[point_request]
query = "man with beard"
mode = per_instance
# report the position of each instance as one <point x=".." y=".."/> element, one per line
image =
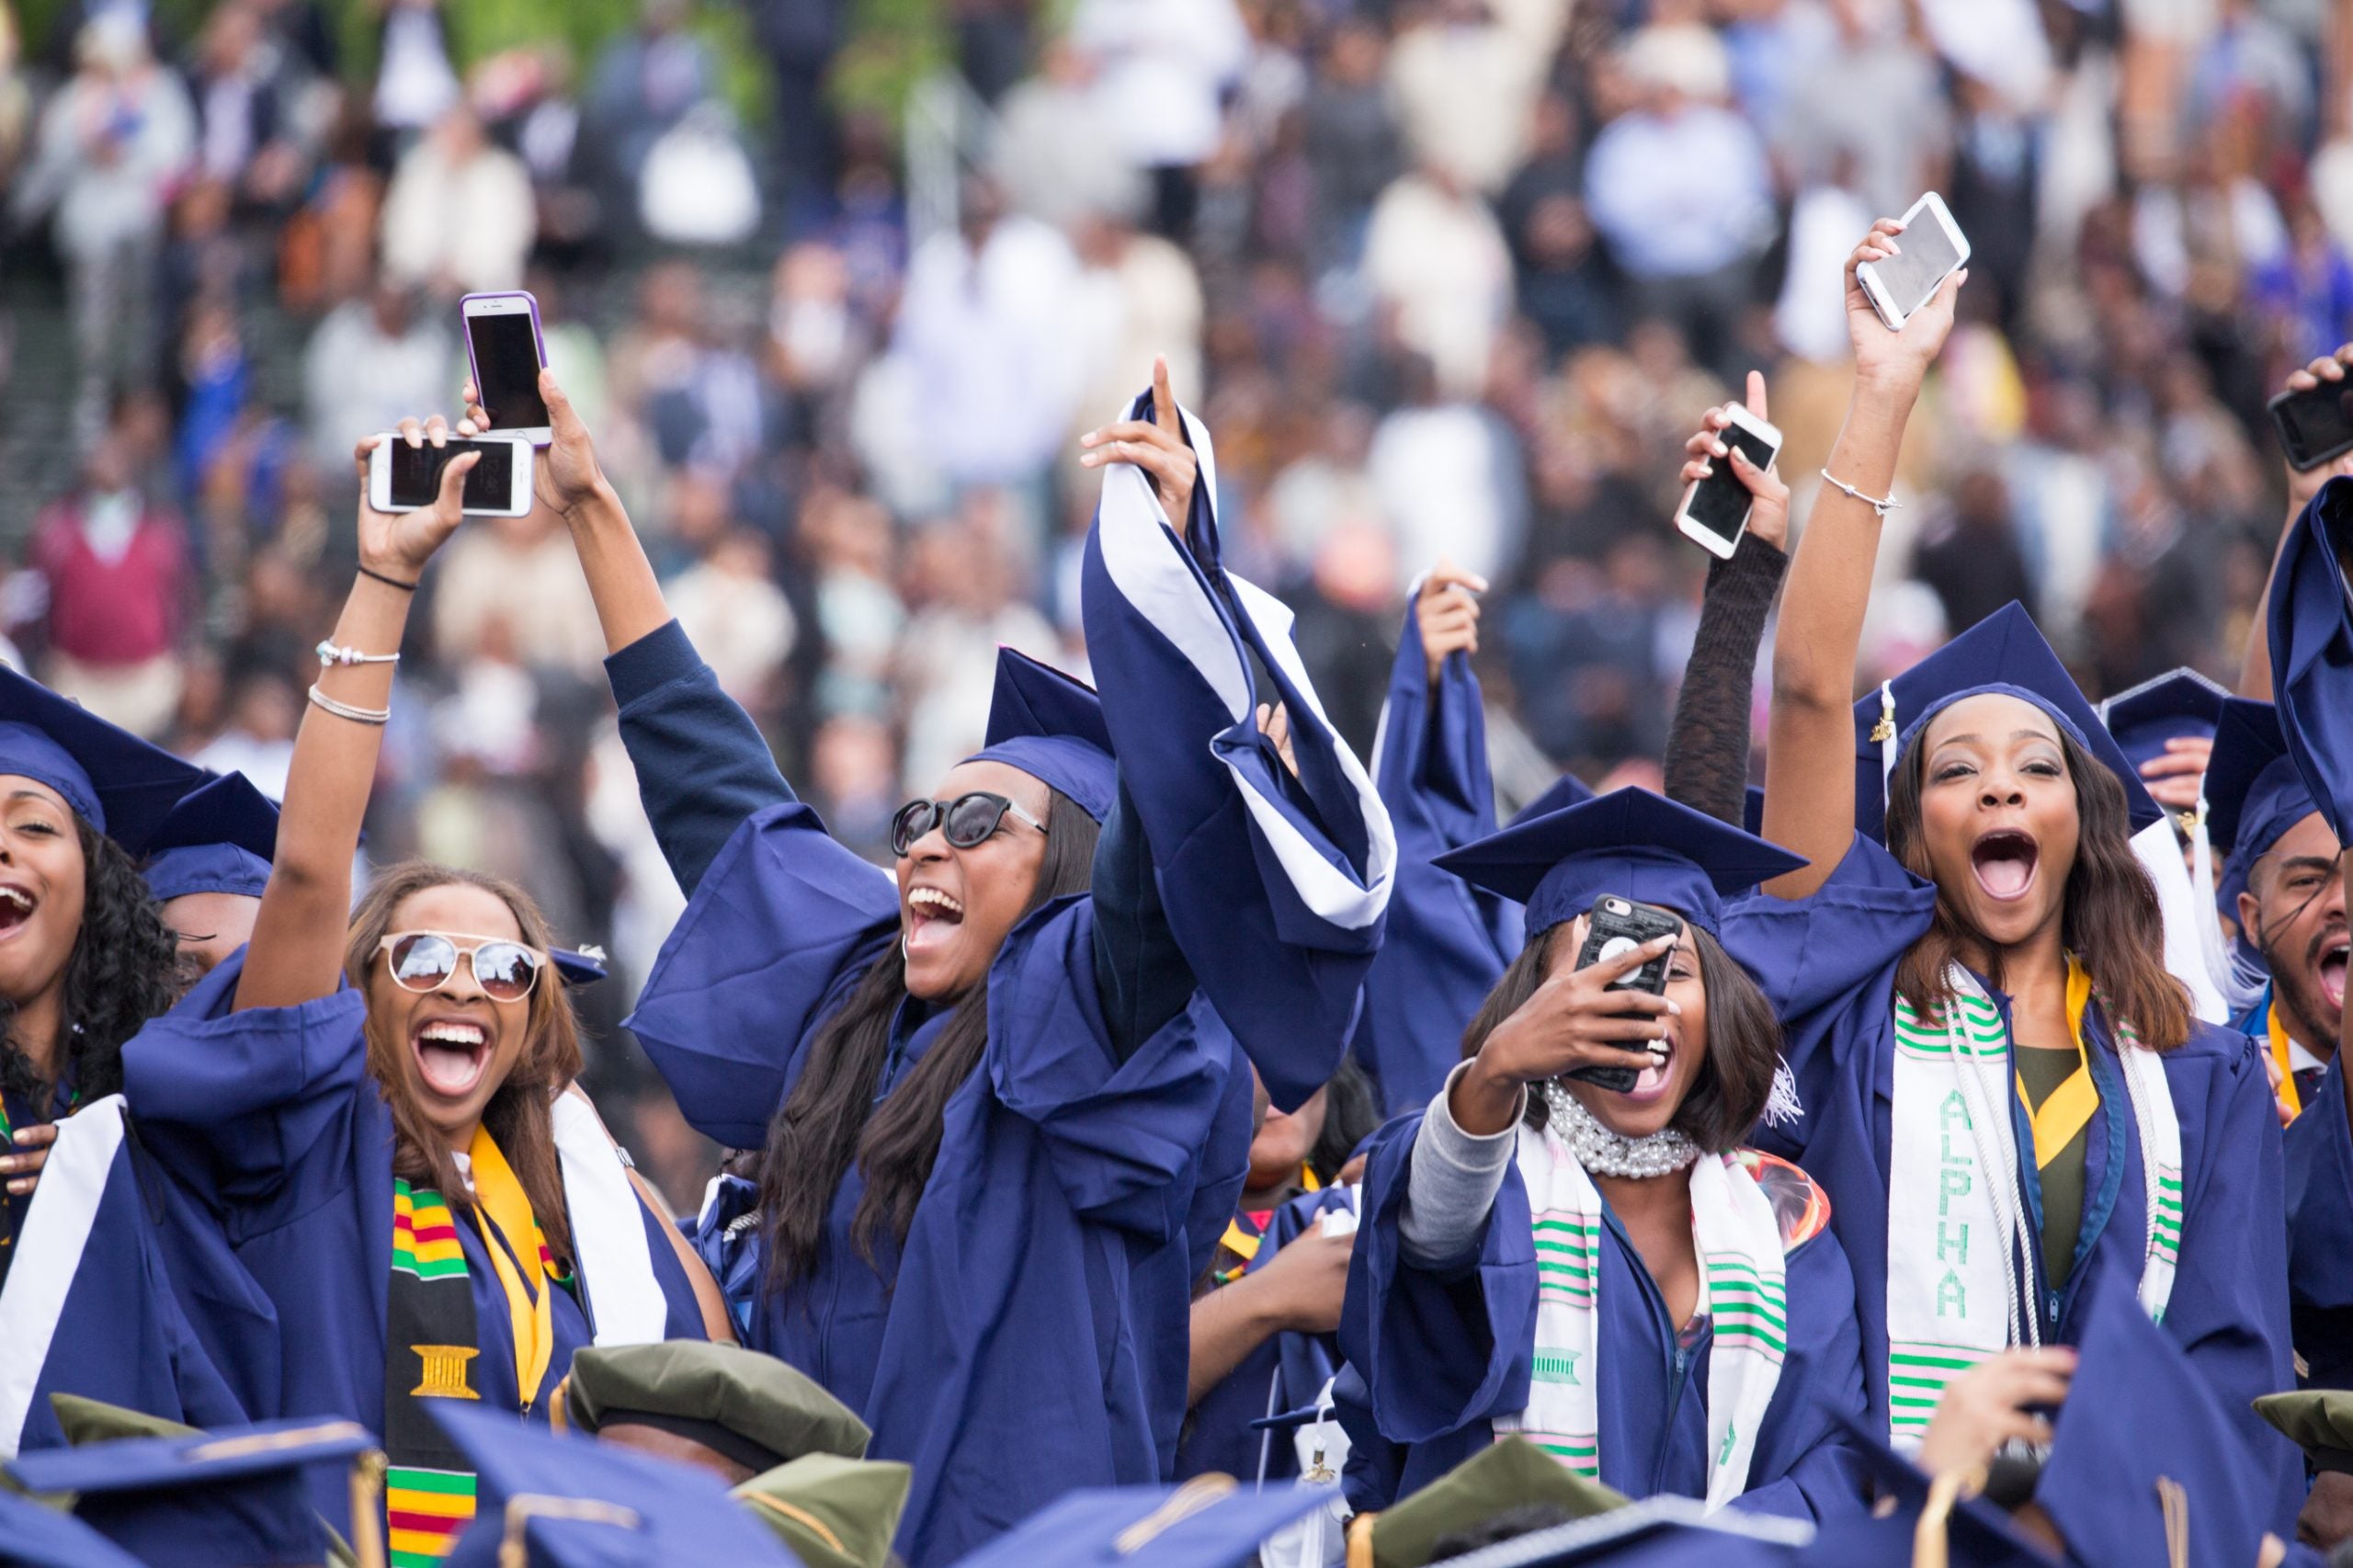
<point x="2279" y="881"/>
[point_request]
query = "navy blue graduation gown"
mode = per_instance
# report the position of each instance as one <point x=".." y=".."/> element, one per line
<point x="1286" y="1373"/>
<point x="270" y="1114"/>
<point x="1442" y="1355"/>
<point x="1828" y="961"/>
<point x="2320" y="1233"/>
<point x="1448" y="942"/>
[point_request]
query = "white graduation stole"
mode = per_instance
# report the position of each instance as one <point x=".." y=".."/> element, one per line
<point x="1961" y="1252"/>
<point x="1746" y="1293"/>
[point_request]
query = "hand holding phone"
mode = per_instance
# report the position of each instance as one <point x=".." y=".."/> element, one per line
<point x="1719" y="498"/>
<point x="1931" y="249"/>
<point x="506" y="351"/>
<point x="1617" y="928"/>
<point x="404" y="478"/>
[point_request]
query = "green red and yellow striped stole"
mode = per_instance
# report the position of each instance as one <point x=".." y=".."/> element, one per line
<point x="424" y="1513"/>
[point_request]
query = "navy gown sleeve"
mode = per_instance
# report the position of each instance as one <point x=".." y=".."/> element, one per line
<point x="1817" y="1473"/>
<point x="2228" y="1307"/>
<point x="1275" y="885"/>
<point x="702" y="766"/>
<point x="1447" y="942"/>
<point x="1437" y="1353"/>
<point x="2319" y="1161"/>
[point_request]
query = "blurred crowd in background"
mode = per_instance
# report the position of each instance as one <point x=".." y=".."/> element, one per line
<point x="1444" y="276"/>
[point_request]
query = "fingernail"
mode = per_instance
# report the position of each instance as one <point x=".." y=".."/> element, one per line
<point x="8" y="1164"/>
<point x="1675" y="1006"/>
<point x="24" y="1135"/>
<point x="1718" y="447"/>
<point x="18" y="1189"/>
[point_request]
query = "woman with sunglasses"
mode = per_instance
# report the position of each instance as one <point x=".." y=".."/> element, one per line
<point x="1000" y="1117"/>
<point x="376" y="1106"/>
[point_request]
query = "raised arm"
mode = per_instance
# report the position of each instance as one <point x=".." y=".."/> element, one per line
<point x="2254" y="671"/>
<point x="1809" y="766"/>
<point x="296" y="954"/>
<point x="1708" y="743"/>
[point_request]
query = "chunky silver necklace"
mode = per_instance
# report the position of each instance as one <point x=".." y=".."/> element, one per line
<point x="1604" y="1152"/>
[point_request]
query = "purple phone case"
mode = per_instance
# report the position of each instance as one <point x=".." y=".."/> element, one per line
<point x="539" y="338"/>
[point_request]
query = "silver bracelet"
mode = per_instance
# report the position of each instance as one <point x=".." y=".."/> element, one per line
<point x="378" y="716"/>
<point x="1881" y="508"/>
<point x="331" y="655"/>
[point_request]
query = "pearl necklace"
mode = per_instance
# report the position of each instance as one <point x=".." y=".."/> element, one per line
<point x="1604" y="1152"/>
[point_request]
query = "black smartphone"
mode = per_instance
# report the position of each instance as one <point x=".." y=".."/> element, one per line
<point x="1615" y="925"/>
<point x="417" y="474"/>
<point x="2315" y="425"/>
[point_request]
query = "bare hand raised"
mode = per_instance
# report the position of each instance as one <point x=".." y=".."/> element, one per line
<point x="1768" y="513"/>
<point x="1156" y="445"/>
<point x="398" y="544"/>
<point x="566" y="474"/>
<point x="1895" y="362"/>
<point x="1446" y="613"/>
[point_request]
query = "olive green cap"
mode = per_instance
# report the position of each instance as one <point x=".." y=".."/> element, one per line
<point x="95" y="1421"/>
<point x="1509" y="1473"/>
<point x="2319" y="1421"/>
<point x="833" y="1512"/>
<point x="751" y="1408"/>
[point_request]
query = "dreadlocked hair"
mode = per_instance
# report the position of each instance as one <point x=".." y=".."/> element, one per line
<point x="518" y="1117"/>
<point x="830" y="1120"/>
<point x="124" y="969"/>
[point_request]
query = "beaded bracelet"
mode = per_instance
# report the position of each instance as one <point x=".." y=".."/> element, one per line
<point x="1880" y="508"/>
<point x="331" y="655"/>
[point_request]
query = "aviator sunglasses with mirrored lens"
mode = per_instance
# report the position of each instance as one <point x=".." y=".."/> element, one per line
<point x="424" y="961"/>
<point x="970" y="820"/>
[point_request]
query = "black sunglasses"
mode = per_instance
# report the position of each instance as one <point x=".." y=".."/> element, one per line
<point x="970" y="820"/>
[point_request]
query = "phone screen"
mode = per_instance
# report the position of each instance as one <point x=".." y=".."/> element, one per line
<point x="507" y="359"/>
<point x="1911" y="276"/>
<point x="2316" y="425"/>
<point x="416" y="474"/>
<point x="1720" y="503"/>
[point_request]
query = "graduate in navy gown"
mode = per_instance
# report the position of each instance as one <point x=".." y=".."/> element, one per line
<point x="1001" y="1116"/>
<point x="85" y="958"/>
<point x="206" y="866"/>
<point x="376" y="1109"/>
<point x="2000" y="1086"/>
<point x="1600" y="1270"/>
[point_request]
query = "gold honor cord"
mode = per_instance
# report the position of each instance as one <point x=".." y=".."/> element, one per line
<point x="522" y="1508"/>
<point x="367" y="1508"/>
<point x="2173" y="1499"/>
<point x="1197" y="1496"/>
<point x="1931" y="1543"/>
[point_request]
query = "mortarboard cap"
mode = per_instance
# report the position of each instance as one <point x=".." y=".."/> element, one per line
<point x="578" y="966"/>
<point x="831" y="1512"/>
<point x="2005" y="654"/>
<point x="2310" y="630"/>
<point x="33" y="1535"/>
<point x="2139" y="1424"/>
<point x="46" y="738"/>
<point x="1050" y="726"/>
<point x="1509" y="1473"/>
<point x="2319" y="1421"/>
<point x="1977" y="1532"/>
<point x="1752" y="811"/>
<point x="1566" y="790"/>
<point x="219" y="838"/>
<point x="2254" y="794"/>
<point x="1629" y="842"/>
<point x="2143" y="718"/>
<point x="1662" y="1532"/>
<point x="95" y="1421"/>
<point x="222" y="1500"/>
<point x="1209" y="1522"/>
<point x="753" y="1408"/>
<point x="574" y="1503"/>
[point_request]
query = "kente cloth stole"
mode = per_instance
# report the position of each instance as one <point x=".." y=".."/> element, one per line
<point x="432" y="1339"/>
<point x="1744" y="1292"/>
<point x="1962" y="1257"/>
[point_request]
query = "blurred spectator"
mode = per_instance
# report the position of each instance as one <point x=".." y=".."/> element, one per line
<point x="509" y="589"/>
<point x="729" y="604"/>
<point x="1351" y="141"/>
<point x="643" y="85"/>
<point x="1866" y="110"/>
<point x="801" y="37"/>
<point x="245" y="134"/>
<point x="854" y="779"/>
<point x="459" y="217"/>
<point x="1464" y="87"/>
<point x="1448" y="476"/>
<point x="415" y="84"/>
<point x="113" y="142"/>
<point x="1565" y="285"/>
<point x="373" y="362"/>
<point x="1435" y="257"/>
<point x="847" y="541"/>
<point x="118" y="590"/>
<point x="1056" y="151"/>
<point x="1136" y="295"/>
<point x="263" y="709"/>
<point x="1679" y="187"/>
<point x="1970" y="556"/>
<point x="970" y="568"/>
<point x="1164" y="71"/>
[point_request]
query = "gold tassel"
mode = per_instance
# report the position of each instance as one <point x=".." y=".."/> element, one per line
<point x="367" y="1508"/>
<point x="1360" y="1540"/>
<point x="1931" y="1546"/>
<point x="1201" y="1492"/>
<point x="2173" y="1500"/>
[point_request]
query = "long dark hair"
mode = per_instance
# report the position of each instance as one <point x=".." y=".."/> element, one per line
<point x="2110" y="919"/>
<point x="124" y="969"/>
<point x="1743" y="1041"/>
<point x="830" y="1118"/>
<point x="519" y="1115"/>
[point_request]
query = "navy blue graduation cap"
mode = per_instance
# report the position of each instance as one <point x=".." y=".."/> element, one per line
<point x="2254" y="793"/>
<point x="2310" y="630"/>
<point x="226" y="1499"/>
<point x="1209" y="1522"/>
<point x="2177" y="703"/>
<point x="1752" y="810"/>
<point x="54" y="742"/>
<point x="2005" y="654"/>
<point x="34" y="1536"/>
<point x="1978" y="1533"/>
<point x="576" y="1502"/>
<point x="1566" y="790"/>
<point x="1050" y="726"/>
<point x="1629" y="842"/>
<point x="579" y="965"/>
<point x="2141" y="1435"/>
<point x="1665" y="1532"/>
<point x="220" y="838"/>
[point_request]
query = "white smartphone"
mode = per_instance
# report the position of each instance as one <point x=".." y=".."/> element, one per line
<point x="1714" y="510"/>
<point x="401" y="478"/>
<point x="507" y="352"/>
<point x="1931" y="249"/>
